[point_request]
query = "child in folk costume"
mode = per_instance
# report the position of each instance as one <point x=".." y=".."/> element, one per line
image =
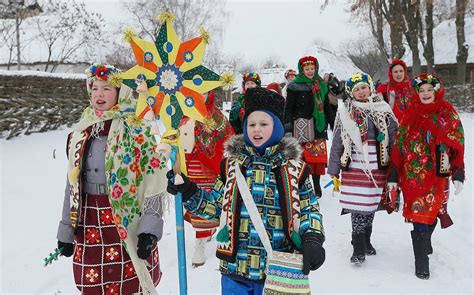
<point x="203" y="145"/>
<point x="397" y="91"/>
<point x="111" y="219"/>
<point x="429" y="148"/>
<point x="307" y="115"/>
<point x="249" y="80"/>
<point x="276" y="177"/>
<point x="290" y="75"/>
<point x="364" y="132"/>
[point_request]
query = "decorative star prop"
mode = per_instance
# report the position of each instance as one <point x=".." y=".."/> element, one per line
<point x="169" y="76"/>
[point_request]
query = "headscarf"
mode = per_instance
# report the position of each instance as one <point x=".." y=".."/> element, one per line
<point x="319" y="89"/>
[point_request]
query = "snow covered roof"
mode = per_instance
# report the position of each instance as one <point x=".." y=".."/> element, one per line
<point x="445" y="43"/>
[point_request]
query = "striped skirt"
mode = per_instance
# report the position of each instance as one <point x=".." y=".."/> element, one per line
<point x="359" y="193"/>
<point x="101" y="265"/>
<point x="205" y="179"/>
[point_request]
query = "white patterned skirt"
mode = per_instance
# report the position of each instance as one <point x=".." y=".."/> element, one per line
<point x="360" y="193"/>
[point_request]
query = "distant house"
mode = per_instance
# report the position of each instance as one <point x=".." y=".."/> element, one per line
<point x="445" y="49"/>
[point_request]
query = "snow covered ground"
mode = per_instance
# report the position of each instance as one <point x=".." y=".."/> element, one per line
<point x="32" y="186"/>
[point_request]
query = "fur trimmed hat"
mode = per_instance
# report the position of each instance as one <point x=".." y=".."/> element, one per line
<point x="358" y="79"/>
<point x="102" y="72"/>
<point x="251" y="77"/>
<point x="261" y="99"/>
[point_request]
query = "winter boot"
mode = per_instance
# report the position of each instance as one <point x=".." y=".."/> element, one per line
<point x="369" y="249"/>
<point x="199" y="255"/>
<point x="317" y="185"/>
<point x="358" y="242"/>
<point x="420" y="248"/>
<point x="431" y="228"/>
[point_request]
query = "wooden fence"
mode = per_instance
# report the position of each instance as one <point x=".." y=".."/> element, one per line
<point x="31" y="104"/>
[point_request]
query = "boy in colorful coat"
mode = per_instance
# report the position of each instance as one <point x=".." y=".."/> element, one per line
<point x="249" y="80"/>
<point x="277" y="178"/>
<point x="429" y="148"/>
<point x="365" y="130"/>
<point x="112" y="209"/>
<point x="203" y="145"/>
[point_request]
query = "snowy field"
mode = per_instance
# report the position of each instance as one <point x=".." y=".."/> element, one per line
<point x="32" y="187"/>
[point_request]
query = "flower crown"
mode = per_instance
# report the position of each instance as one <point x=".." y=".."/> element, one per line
<point x="426" y="79"/>
<point x="251" y="77"/>
<point x="103" y="72"/>
<point x="359" y="78"/>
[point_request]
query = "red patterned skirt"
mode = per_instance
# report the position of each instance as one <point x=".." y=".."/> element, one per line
<point x="101" y="265"/>
<point x="205" y="179"/>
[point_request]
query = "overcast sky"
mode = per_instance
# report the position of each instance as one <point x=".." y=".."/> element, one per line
<point x="257" y="30"/>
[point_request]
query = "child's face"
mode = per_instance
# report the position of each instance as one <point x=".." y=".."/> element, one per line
<point x="291" y="77"/>
<point x="361" y="93"/>
<point x="259" y="127"/>
<point x="249" y="84"/>
<point x="103" y="95"/>
<point x="398" y="73"/>
<point x="426" y="93"/>
<point x="309" y="70"/>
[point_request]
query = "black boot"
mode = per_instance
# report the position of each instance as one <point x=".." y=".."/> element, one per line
<point x="358" y="242"/>
<point x="369" y="249"/>
<point x="420" y="248"/>
<point x="431" y="228"/>
<point x="317" y="185"/>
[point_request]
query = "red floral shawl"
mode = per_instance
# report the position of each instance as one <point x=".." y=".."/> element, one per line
<point x="402" y="90"/>
<point x="211" y="134"/>
<point x="423" y="129"/>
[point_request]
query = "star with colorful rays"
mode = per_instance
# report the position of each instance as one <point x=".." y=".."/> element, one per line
<point x="169" y="76"/>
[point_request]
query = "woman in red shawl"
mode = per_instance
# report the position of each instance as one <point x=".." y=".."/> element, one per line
<point x="429" y="147"/>
<point x="203" y="144"/>
<point x="397" y="91"/>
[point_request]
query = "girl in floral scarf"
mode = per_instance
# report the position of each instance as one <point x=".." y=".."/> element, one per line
<point x="111" y="219"/>
<point x="365" y="130"/>
<point x="397" y="91"/>
<point x="429" y="148"/>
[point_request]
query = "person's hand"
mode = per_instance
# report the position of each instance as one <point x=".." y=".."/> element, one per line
<point x="458" y="186"/>
<point x="313" y="252"/>
<point x="145" y="245"/>
<point x="187" y="188"/>
<point x="67" y="248"/>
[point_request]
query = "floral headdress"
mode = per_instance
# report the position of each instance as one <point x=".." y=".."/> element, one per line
<point x="308" y="60"/>
<point x="357" y="79"/>
<point x="290" y="72"/>
<point x="251" y="77"/>
<point x="102" y="72"/>
<point x="426" y="79"/>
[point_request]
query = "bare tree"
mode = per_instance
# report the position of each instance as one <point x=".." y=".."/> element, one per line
<point x="463" y="47"/>
<point x="412" y="17"/>
<point x="18" y="10"/>
<point x="380" y="11"/>
<point x="428" y="49"/>
<point x="190" y="16"/>
<point x="69" y="31"/>
<point x="366" y="55"/>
